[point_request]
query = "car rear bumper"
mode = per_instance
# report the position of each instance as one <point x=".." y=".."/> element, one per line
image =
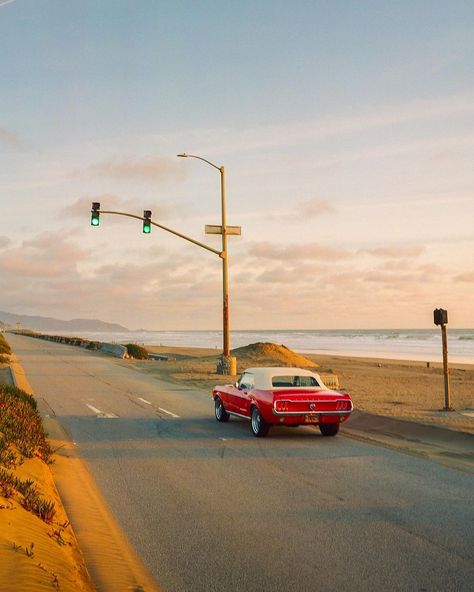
<point x="316" y="411"/>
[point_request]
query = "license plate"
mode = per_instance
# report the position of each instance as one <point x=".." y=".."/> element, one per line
<point x="311" y="418"/>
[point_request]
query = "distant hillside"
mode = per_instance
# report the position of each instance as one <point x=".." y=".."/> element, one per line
<point x="36" y="323"/>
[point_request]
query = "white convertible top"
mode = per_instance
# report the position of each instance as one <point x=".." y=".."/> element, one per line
<point x="263" y="376"/>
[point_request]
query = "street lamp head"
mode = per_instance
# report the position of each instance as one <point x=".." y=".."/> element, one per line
<point x="184" y="155"/>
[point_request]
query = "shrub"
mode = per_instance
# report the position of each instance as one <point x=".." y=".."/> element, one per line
<point x="21" y="429"/>
<point x="136" y="351"/>
<point x="21" y="425"/>
<point x="4" y="347"/>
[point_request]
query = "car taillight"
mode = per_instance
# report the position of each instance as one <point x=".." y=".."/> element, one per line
<point x="281" y="406"/>
<point x="343" y="405"/>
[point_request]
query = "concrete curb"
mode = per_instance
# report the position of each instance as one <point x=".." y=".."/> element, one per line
<point x="114" y="349"/>
<point x="363" y="420"/>
<point x="13" y="379"/>
<point x="448" y="447"/>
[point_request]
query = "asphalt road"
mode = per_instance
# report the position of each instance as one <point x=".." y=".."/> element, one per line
<point x="211" y="508"/>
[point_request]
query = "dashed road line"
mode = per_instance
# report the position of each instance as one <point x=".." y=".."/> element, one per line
<point x="168" y="412"/>
<point x="100" y="413"/>
<point x="144" y="401"/>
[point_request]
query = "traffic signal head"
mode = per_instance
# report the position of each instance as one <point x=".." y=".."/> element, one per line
<point x="95" y="213"/>
<point x="147" y="221"/>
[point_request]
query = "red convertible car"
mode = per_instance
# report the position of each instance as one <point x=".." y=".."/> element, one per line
<point x="282" y="396"/>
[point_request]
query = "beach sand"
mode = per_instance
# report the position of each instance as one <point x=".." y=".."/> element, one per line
<point x="400" y="389"/>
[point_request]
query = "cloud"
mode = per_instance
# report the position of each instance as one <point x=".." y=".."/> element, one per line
<point x="4" y="242"/>
<point x="109" y="201"/>
<point x="465" y="277"/>
<point x="315" y="207"/>
<point x="292" y="251"/>
<point x="153" y="168"/>
<point x="338" y="125"/>
<point x="11" y="138"/>
<point x="395" y="252"/>
<point x="432" y="269"/>
<point x="47" y="255"/>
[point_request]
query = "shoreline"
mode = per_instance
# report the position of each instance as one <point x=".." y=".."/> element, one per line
<point x="404" y="344"/>
<point x="422" y="361"/>
<point x="313" y="354"/>
<point x="454" y="359"/>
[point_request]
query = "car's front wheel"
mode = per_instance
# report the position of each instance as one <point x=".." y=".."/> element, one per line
<point x="259" y="426"/>
<point x="221" y="413"/>
<point x="329" y="429"/>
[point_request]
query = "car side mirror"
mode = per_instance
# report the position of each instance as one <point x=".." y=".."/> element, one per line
<point x="236" y="384"/>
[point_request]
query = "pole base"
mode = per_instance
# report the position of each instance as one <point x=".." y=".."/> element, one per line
<point x="448" y="409"/>
<point x="227" y="365"/>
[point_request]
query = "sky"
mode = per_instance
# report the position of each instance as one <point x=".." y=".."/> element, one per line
<point x="347" y="134"/>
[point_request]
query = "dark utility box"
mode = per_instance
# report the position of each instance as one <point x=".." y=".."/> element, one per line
<point x="440" y="316"/>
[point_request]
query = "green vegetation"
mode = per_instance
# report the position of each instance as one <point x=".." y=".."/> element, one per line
<point x="136" y="351"/>
<point x="22" y="436"/>
<point x="4" y="347"/>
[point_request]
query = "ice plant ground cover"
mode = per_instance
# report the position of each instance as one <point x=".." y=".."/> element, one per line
<point x="22" y="436"/>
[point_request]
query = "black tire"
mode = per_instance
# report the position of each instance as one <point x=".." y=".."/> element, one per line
<point x="259" y="426"/>
<point x="329" y="429"/>
<point x="221" y="413"/>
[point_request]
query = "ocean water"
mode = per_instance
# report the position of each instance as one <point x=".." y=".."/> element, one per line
<point x="404" y="344"/>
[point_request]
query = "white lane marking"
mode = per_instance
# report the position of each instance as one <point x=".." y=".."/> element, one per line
<point x="100" y="413"/>
<point x="168" y="412"/>
<point x="144" y="400"/>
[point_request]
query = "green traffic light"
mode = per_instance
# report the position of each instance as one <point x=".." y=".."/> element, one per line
<point x="95" y="220"/>
<point x="147" y="221"/>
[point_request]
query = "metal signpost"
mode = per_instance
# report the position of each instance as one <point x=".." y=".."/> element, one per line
<point x="441" y="318"/>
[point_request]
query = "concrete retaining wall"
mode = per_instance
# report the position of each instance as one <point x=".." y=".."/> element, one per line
<point x="119" y="351"/>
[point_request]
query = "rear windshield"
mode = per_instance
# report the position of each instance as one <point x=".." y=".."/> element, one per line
<point x="294" y="380"/>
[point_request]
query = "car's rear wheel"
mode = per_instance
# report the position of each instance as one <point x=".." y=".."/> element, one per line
<point x="221" y="413"/>
<point x="329" y="429"/>
<point x="259" y="426"/>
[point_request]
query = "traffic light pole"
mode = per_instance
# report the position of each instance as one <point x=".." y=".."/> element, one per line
<point x="225" y="272"/>
<point x="175" y="232"/>
<point x="227" y="364"/>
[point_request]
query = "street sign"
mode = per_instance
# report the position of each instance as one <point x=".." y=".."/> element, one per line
<point x="217" y="229"/>
<point x="440" y="316"/>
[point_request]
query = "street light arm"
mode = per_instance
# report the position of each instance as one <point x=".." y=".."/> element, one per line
<point x="184" y="155"/>
<point x="175" y="232"/>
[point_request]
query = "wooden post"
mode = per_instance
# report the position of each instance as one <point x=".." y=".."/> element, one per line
<point x="447" y="393"/>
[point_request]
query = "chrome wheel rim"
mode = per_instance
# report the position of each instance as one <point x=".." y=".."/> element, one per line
<point x="255" y="421"/>
<point x="218" y="409"/>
